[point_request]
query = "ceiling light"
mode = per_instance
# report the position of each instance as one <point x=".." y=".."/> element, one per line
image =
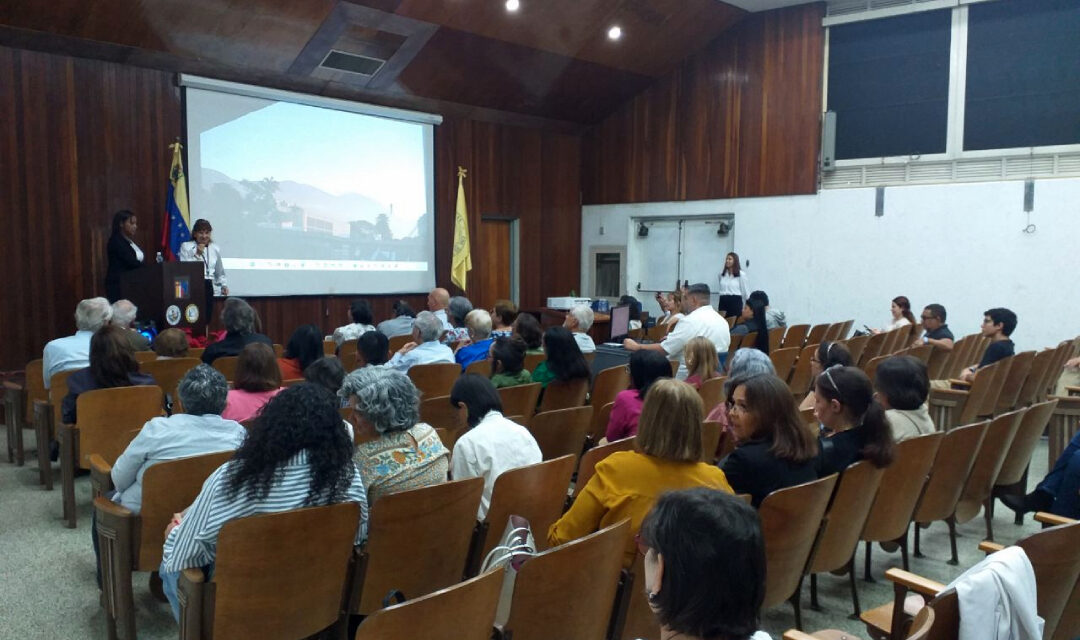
<point x="614" y="33"/>
<point x="513" y="5"/>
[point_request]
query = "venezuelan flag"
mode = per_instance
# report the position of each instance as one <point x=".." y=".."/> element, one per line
<point x="177" y="227"/>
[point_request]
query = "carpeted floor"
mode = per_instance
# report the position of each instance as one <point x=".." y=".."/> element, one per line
<point x="48" y="589"/>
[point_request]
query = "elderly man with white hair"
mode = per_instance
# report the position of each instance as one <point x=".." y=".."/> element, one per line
<point x="73" y="352"/>
<point x="123" y="316"/>
<point x="476" y="348"/>
<point x="579" y="320"/>
<point x="425" y="347"/>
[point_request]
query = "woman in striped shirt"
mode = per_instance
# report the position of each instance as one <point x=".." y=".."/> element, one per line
<point x="295" y="455"/>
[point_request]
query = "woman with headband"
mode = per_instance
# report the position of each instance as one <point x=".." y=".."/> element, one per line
<point x="854" y="424"/>
<point x="828" y="354"/>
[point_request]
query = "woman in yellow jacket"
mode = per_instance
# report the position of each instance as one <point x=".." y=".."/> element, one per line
<point x="667" y="457"/>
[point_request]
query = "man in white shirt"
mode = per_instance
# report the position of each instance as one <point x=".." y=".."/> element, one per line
<point x="73" y="352"/>
<point x="425" y="347"/>
<point x="579" y="319"/>
<point x="437" y="302"/>
<point x="700" y="320"/>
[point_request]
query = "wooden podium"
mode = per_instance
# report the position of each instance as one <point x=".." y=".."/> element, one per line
<point x="172" y="294"/>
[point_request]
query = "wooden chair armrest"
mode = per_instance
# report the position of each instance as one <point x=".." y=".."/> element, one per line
<point x="914" y="582"/>
<point x="1072" y="391"/>
<point x="988" y="547"/>
<point x="795" y="634"/>
<point x="1052" y="519"/>
<point x="190" y="591"/>
<point x="15" y="386"/>
<point x="962" y="385"/>
<point x="100" y="475"/>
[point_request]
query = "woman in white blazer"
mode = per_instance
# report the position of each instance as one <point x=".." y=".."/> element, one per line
<point x="202" y="249"/>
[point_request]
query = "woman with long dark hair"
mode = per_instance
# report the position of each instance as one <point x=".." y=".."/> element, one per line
<point x="295" y="455"/>
<point x="124" y="255"/>
<point x="734" y="288"/>
<point x="304" y="347"/>
<point x="901" y="314"/>
<point x="528" y="327"/>
<point x="855" y="424"/>
<point x="564" y="359"/>
<point x="112" y="364"/>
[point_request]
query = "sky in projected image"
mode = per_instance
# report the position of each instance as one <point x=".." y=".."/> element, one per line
<point x="347" y="156"/>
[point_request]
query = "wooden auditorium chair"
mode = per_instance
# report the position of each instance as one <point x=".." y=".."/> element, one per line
<point x="562" y="431"/>
<point x="465" y="611"/>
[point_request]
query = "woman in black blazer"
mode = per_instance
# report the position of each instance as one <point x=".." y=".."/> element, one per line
<point x="124" y="254"/>
<point x="776" y="448"/>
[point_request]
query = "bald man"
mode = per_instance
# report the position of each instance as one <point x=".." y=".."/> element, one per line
<point x="437" y="302"/>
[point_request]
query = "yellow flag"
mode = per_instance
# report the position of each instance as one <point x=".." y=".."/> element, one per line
<point x="461" y="262"/>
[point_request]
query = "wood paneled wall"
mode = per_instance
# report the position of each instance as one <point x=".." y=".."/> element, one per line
<point x="80" y="139"/>
<point x="739" y="119"/>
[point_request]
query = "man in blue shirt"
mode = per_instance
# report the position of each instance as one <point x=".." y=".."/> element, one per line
<point x="425" y="347"/>
<point x="73" y="352"/>
<point x="478" y="323"/>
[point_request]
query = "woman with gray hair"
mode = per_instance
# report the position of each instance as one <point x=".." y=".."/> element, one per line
<point x="397" y="451"/>
<point x="241" y="324"/>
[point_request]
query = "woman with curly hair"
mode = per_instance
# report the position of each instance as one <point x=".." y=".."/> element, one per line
<point x="295" y="455"/>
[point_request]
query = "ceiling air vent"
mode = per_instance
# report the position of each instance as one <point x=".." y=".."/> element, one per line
<point x="352" y="63"/>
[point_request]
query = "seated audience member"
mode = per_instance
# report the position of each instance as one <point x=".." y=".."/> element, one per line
<point x="372" y="349"/>
<point x="998" y="324"/>
<point x="901" y="315"/>
<point x="258" y="379"/>
<point x="745" y="364"/>
<point x="171" y="343"/>
<point x="508" y="363"/>
<point x="646" y="367"/>
<point x="362" y="319"/>
<point x="1059" y="491"/>
<point x="295" y="455"/>
<point x="776" y="448"/>
<point x="827" y="355"/>
<point x="700" y="320"/>
<point x="304" y="347"/>
<point x="491" y="443"/>
<point x="902" y="388"/>
<point x="477" y="346"/>
<point x="626" y="484"/>
<point x="635" y="311"/>
<point x="73" y="352"/>
<point x="704" y="566"/>
<point x="123" y="316"/>
<point x="438" y="301"/>
<point x="701" y="362"/>
<point x="402" y="322"/>
<point x="425" y="347"/>
<point x="528" y="327"/>
<point x="327" y="372"/>
<point x="937" y="333"/>
<point x="459" y="307"/>
<point x="579" y="319"/>
<point x="773" y="319"/>
<point x="502" y="318"/>
<point x="397" y="451"/>
<point x="240" y="323"/>
<point x="564" y="360"/>
<point x="855" y="425"/>
<point x="670" y="305"/>
<point x="753" y="319"/>
<point x="112" y="364"/>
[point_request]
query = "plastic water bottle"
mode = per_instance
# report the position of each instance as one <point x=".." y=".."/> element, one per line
<point x="160" y="258"/>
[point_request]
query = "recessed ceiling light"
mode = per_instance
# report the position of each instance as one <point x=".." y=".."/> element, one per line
<point x="614" y="33"/>
<point x="513" y="5"/>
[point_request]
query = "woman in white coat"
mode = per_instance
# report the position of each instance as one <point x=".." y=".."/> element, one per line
<point x="201" y="249"/>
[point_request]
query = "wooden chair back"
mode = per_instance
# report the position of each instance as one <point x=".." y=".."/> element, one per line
<point x="448" y="437"/>
<point x="712" y="392"/>
<point x="950" y="471"/>
<point x="984" y="471"/>
<point x="329" y="347"/>
<point x="856" y="345"/>
<point x="145" y="356"/>
<point x="479" y="367"/>
<point x="564" y="395"/>
<point x="935" y="366"/>
<point x="589" y="461"/>
<point x="726" y="445"/>
<point x="795" y="336"/>
<point x="227" y="366"/>
<point x="710" y="440"/>
<point x="801" y="374"/>
<point x="58" y="389"/>
<point x="520" y="400"/>
<point x="568" y="591"/>
<point x="808" y="416"/>
<point x="845" y="330"/>
<point x="1018" y="455"/>
<point x="730" y="321"/>
<point x="964" y="351"/>
<point x="347" y="355"/>
<point x="533" y="360"/>
<point x="921" y="352"/>
<point x="435" y="379"/>
<point x="675" y="364"/>
<point x="195" y="352"/>
<point x="34" y="386"/>
<point x="395" y="343"/>
<point x="311" y="546"/>
<point x="776" y="338"/>
<point x="1013" y="382"/>
<point x="106" y="415"/>
<point x="169" y="372"/>
<point x="875" y="346"/>
<point x="846" y="517"/>
<point x="292" y="382"/>
<point x="1037" y="377"/>
<point x="658" y="332"/>
<point x="418" y="542"/>
<point x="439" y="413"/>
<point x="640" y="622"/>
<point x="784" y="361"/>
<point x="1055" y="557"/>
<point x="600" y="420"/>
<point x="870" y="368"/>
<point x="465" y="611"/>
<point x="1065" y="350"/>
<point x="536" y="492"/>
<point x="900" y="488"/>
<point x="738" y="342"/>
<point x="833" y="332"/>
<point x="608" y="383"/>
<point x="897" y="340"/>
<point x="562" y="431"/>
<point x="790" y="521"/>
<point x="982" y="397"/>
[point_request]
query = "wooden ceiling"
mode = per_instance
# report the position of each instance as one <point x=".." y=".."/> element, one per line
<point x="551" y="61"/>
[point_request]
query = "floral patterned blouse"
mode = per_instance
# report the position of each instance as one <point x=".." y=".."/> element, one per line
<point x="402" y="460"/>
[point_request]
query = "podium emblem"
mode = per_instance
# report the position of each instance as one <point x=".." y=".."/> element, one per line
<point x="172" y="315"/>
<point x="191" y="314"/>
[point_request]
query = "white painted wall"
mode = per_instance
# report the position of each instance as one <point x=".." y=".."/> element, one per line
<point x="827" y="257"/>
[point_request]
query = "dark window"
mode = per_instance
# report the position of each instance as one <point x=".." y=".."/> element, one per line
<point x="1023" y="74"/>
<point x="889" y="85"/>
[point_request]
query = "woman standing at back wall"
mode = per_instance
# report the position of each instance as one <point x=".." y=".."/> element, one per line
<point x="734" y="287"/>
